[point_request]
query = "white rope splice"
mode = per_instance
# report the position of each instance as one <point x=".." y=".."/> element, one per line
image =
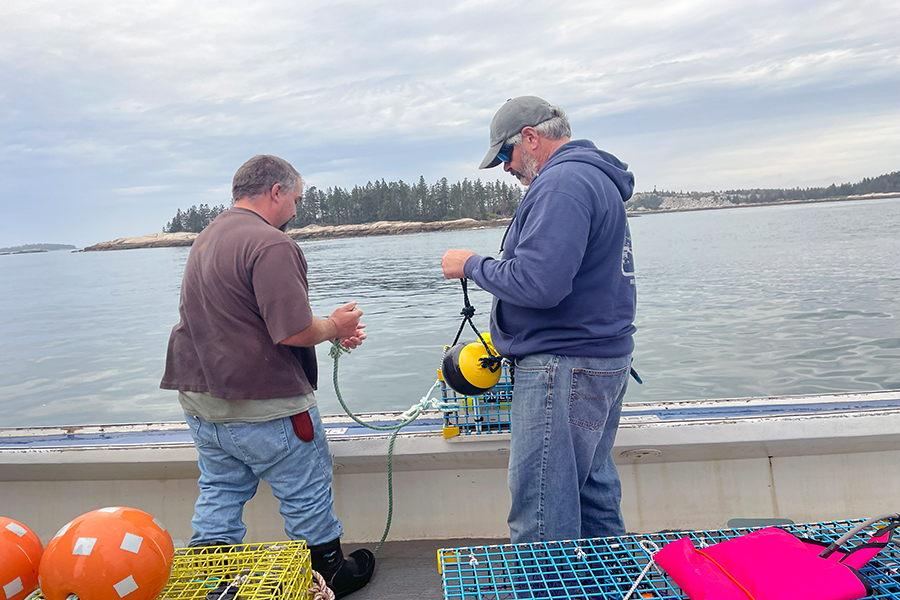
<point x="428" y="402"/>
<point x="651" y="551"/>
<point x="319" y="589"/>
<point x="422" y="405"/>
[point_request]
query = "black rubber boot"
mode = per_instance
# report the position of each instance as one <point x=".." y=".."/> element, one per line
<point x="211" y="547"/>
<point x="344" y="575"/>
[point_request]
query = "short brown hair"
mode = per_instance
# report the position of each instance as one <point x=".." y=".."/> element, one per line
<point x="260" y="173"/>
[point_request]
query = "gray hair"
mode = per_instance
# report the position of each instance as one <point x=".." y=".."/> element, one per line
<point x="554" y="128"/>
<point x="260" y="173"/>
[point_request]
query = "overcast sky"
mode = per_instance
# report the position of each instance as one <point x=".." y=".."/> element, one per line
<point x="115" y="114"/>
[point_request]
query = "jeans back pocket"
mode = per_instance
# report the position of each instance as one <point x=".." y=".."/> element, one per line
<point x="592" y="395"/>
<point x="198" y="432"/>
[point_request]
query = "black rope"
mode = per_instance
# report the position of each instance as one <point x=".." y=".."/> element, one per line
<point x="492" y="360"/>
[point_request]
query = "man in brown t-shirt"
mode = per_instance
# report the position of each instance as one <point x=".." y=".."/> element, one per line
<point x="243" y="361"/>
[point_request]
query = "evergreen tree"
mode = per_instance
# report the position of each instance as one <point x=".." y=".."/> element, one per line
<point x="421" y="199"/>
<point x="176" y="224"/>
<point x="440" y="200"/>
<point x="194" y="220"/>
<point x="479" y="200"/>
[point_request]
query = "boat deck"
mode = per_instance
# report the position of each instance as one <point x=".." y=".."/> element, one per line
<point x="408" y="570"/>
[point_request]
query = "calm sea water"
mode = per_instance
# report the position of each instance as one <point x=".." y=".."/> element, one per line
<point x="759" y="301"/>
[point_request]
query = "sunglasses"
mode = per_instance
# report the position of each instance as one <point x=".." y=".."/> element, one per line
<point x="505" y="154"/>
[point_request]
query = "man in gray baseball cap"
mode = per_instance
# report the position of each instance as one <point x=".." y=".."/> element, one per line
<point x="509" y="121"/>
<point x="564" y="306"/>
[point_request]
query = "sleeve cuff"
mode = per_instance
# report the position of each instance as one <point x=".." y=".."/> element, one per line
<point x="473" y="266"/>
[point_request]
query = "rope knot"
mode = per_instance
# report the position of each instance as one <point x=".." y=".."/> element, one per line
<point x="491" y="363"/>
<point x="336" y="350"/>
<point x="468" y="312"/>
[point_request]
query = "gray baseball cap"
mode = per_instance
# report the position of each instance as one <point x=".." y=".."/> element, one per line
<point x="515" y="115"/>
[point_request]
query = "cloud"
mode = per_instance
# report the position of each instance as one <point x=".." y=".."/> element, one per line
<point x="143" y="190"/>
<point x="168" y="98"/>
<point x="756" y="153"/>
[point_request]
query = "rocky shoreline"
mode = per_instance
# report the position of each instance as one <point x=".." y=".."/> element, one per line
<point x="151" y="240"/>
<point x="691" y="202"/>
<point x="310" y="232"/>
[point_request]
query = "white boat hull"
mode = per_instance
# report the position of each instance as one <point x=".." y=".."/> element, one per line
<point x="683" y="465"/>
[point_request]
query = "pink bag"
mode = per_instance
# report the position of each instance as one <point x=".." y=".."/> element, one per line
<point x="772" y="564"/>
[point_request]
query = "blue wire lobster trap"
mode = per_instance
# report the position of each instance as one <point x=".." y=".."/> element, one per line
<point x="609" y="567"/>
<point x="478" y="415"/>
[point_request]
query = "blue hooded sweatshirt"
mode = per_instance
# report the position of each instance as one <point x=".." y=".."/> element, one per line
<point x="565" y="282"/>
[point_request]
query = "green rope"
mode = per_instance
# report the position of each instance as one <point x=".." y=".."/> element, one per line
<point x="407" y="417"/>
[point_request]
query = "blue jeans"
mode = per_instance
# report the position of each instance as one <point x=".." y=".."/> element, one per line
<point x="235" y="456"/>
<point x="564" y="416"/>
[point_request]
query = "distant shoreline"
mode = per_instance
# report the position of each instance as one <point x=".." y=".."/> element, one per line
<point x="27" y="251"/>
<point x="874" y="196"/>
<point x="35" y="248"/>
<point x="378" y="228"/>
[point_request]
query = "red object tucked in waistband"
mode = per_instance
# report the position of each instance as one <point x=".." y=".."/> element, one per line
<point x="303" y="426"/>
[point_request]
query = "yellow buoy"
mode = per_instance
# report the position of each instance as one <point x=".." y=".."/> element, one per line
<point x="463" y="370"/>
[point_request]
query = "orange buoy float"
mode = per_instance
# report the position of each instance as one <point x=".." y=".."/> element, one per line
<point x="152" y="527"/>
<point x="20" y="557"/>
<point x="114" y="553"/>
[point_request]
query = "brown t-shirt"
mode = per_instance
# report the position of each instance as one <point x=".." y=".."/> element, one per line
<point x="244" y="291"/>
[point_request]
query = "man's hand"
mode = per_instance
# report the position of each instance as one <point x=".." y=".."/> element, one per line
<point x="343" y="324"/>
<point x="355" y="340"/>
<point x="453" y="263"/>
<point x="346" y="322"/>
<point x="349" y="314"/>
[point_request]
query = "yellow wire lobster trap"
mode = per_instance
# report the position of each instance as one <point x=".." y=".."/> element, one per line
<point x="267" y="571"/>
